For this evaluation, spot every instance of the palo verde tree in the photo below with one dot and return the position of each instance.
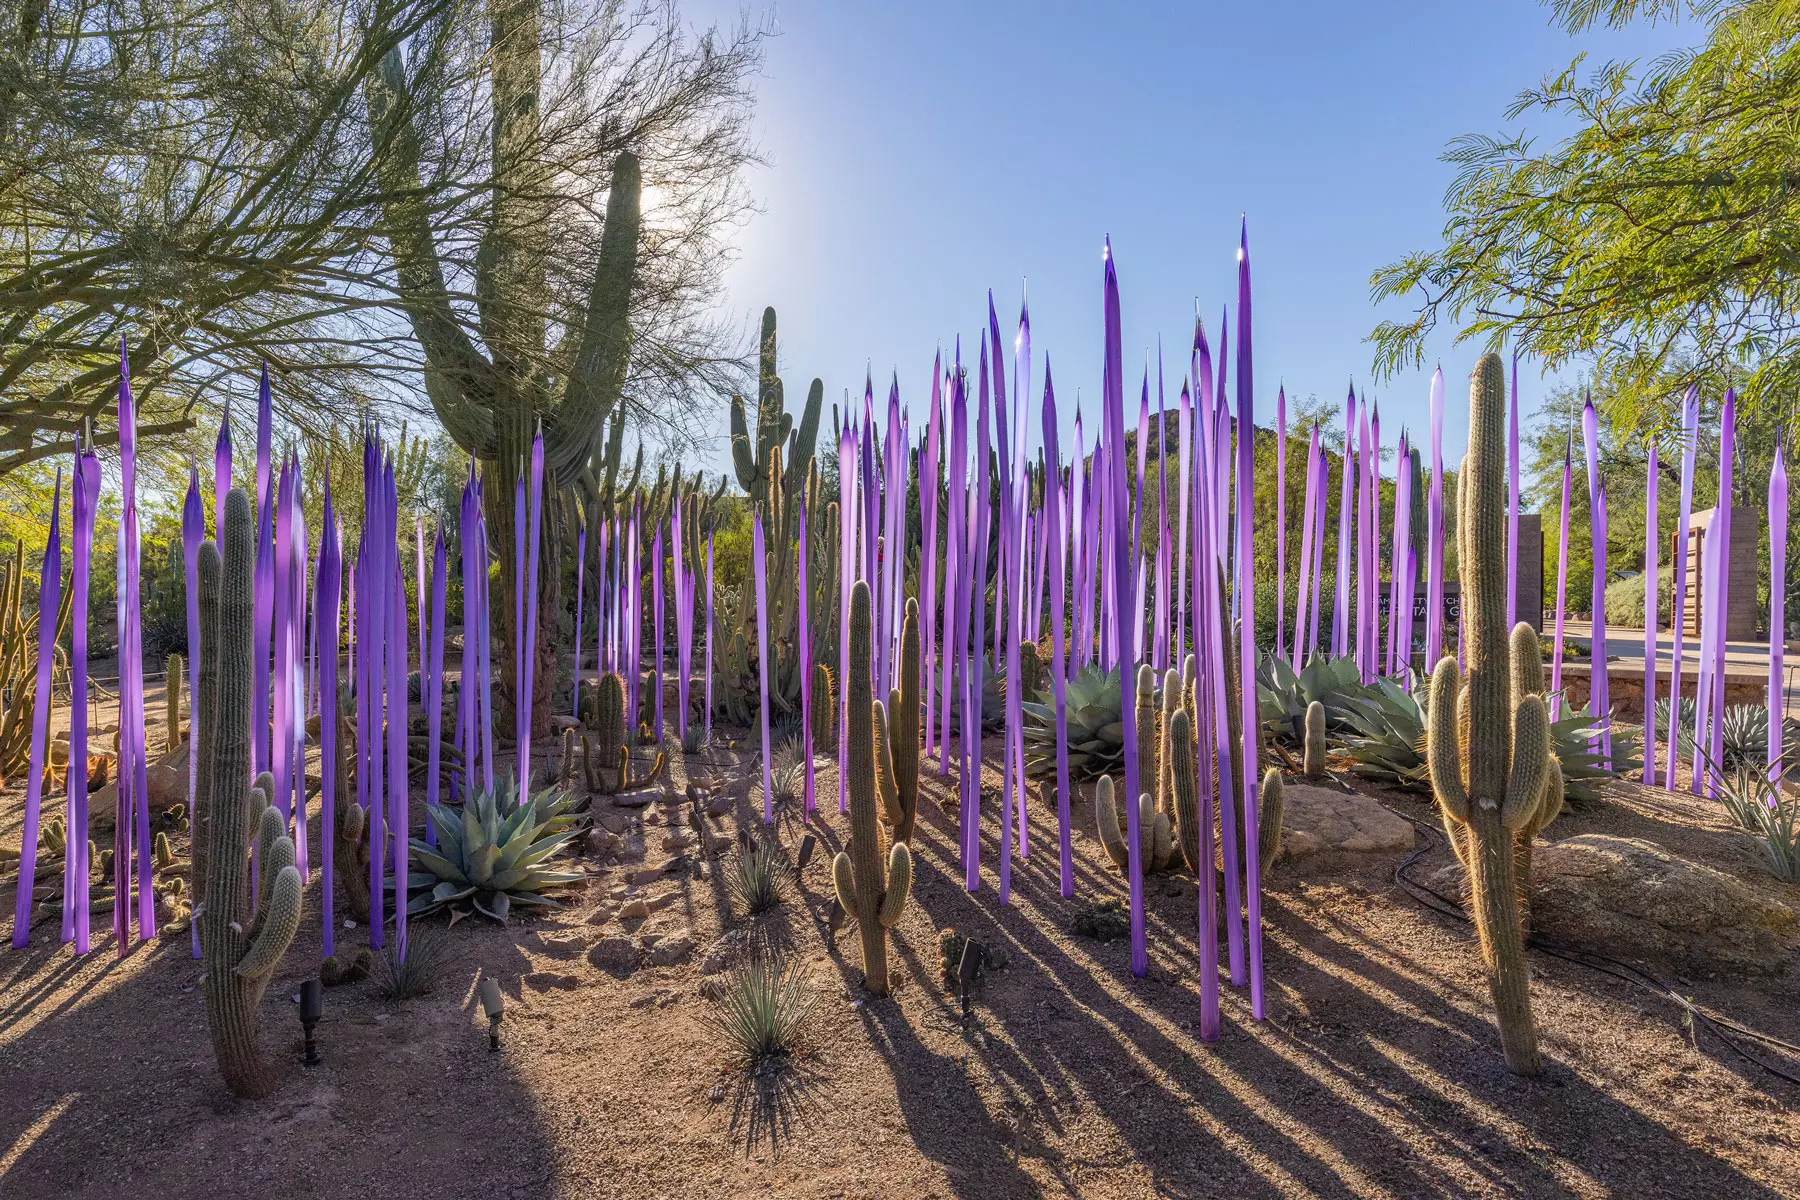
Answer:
(1664, 233)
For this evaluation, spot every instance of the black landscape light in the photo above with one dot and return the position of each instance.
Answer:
(966, 971)
(312, 1006)
(807, 844)
(494, 1005)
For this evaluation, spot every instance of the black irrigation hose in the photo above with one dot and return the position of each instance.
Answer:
(1638, 976)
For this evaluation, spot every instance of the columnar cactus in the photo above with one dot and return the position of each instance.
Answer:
(1313, 754)
(352, 833)
(1183, 763)
(903, 725)
(1171, 701)
(609, 711)
(242, 937)
(1148, 742)
(1031, 671)
(174, 670)
(871, 889)
(824, 707)
(1488, 739)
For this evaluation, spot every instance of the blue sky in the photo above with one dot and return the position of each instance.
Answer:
(921, 153)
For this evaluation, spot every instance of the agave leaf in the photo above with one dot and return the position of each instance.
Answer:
(494, 904)
(422, 904)
(445, 892)
(482, 862)
(438, 865)
(448, 823)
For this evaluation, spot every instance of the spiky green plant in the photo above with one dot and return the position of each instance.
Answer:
(758, 876)
(871, 886)
(404, 971)
(759, 1012)
(694, 740)
(1744, 732)
(1284, 697)
(1488, 741)
(787, 770)
(1094, 704)
(1386, 744)
(1758, 806)
(491, 854)
(242, 936)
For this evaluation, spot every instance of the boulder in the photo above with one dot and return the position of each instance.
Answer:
(616, 955)
(1318, 820)
(166, 782)
(1634, 899)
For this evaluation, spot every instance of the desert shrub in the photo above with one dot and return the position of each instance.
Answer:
(758, 877)
(1625, 599)
(1105, 921)
(402, 973)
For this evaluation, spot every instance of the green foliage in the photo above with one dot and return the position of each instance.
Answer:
(760, 1011)
(401, 974)
(1772, 817)
(758, 876)
(1660, 223)
(1743, 734)
(1093, 703)
(1625, 598)
(1284, 696)
(490, 854)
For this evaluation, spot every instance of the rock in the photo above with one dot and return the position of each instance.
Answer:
(724, 952)
(676, 841)
(598, 841)
(1634, 899)
(616, 822)
(658, 903)
(562, 721)
(637, 799)
(568, 946)
(672, 949)
(618, 955)
(601, 915)
(648, 875)
(544, 981)
(721, 806)
(1318, 820)
(634, 910)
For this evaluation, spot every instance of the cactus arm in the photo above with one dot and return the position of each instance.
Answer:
(843, 881)
(905, 725)
(280, 922)
(869, 874)
(597, 375)
(455, 369)
(1530, 761)
(1106, 821)
(1526, 659)
(1162, 841)
(1181, 753)
(800, 455)
(899, 885)
(1442, 753)
(886, 786)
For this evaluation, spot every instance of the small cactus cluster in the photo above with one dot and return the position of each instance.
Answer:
(1488, 741)
(1170, 816)
(242, 936)
(871, 886)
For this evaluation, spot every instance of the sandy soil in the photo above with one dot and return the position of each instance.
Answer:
(1376, 1072)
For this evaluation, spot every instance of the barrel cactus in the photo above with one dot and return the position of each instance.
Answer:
(1488, 737)
(871, 886)
(242, 936)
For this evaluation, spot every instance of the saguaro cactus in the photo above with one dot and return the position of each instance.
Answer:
(872, 890)
(1488, 739)
(242, 937)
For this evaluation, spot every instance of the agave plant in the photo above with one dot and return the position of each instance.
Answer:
(490, 854)
(1282, 695)
(1096, 731)
(1758, 806)
(1386, 743)
(993, 698)
(787, 769)
(1744, 733)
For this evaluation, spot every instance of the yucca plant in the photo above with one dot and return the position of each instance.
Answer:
(490, 854)
(1758, 806)
(1744, 732)
(759, 1012)
(758, 877)
(405, 971)
(694, 740)
(787, 770)
(1096, 731)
